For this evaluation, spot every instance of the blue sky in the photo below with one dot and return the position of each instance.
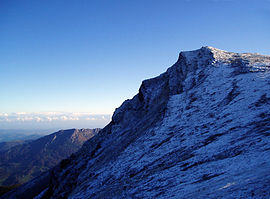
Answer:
(89, 56)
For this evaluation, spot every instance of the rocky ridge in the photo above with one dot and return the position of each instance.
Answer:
(199, 130)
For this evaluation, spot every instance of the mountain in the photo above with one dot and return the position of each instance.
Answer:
(23, 162)
(8, 135)
(7, 145)
(199, 130)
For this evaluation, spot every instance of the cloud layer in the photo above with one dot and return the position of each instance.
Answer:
(53, 120)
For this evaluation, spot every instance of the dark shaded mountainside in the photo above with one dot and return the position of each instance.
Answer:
(199, 130)
(10, 135)
(23, 162)
(7, 145)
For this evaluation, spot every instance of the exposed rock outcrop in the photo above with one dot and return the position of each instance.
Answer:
(199, 130)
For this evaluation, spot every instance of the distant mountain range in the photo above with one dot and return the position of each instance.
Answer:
(7, 145)
(7, 135)
(28, 159)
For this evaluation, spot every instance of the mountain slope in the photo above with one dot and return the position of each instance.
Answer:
(199, 130)
(23, 162)
(7, 145)
(10, 135)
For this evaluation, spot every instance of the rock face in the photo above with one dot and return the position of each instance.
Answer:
(23, 162)
(199, 130)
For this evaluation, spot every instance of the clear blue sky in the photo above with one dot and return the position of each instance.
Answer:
(89, 56)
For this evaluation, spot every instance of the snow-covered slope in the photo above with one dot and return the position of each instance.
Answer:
(199, 130)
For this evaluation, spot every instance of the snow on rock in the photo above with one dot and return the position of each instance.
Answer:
(199, 130)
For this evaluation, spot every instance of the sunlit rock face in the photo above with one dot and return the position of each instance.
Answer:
(199, 130)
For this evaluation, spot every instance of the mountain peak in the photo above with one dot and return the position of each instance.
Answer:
(212, 49)
(199, 130)
(189, 71)
(208, 55)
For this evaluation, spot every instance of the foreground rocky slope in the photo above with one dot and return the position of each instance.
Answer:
(25, 161)
(199, 130)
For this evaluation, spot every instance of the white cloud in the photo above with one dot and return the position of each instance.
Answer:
(78, 119)
(38, 119)
(21, 113)
(91, 118)
(64, 117)
(75, 118)
(3, 114)
(49, 119)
